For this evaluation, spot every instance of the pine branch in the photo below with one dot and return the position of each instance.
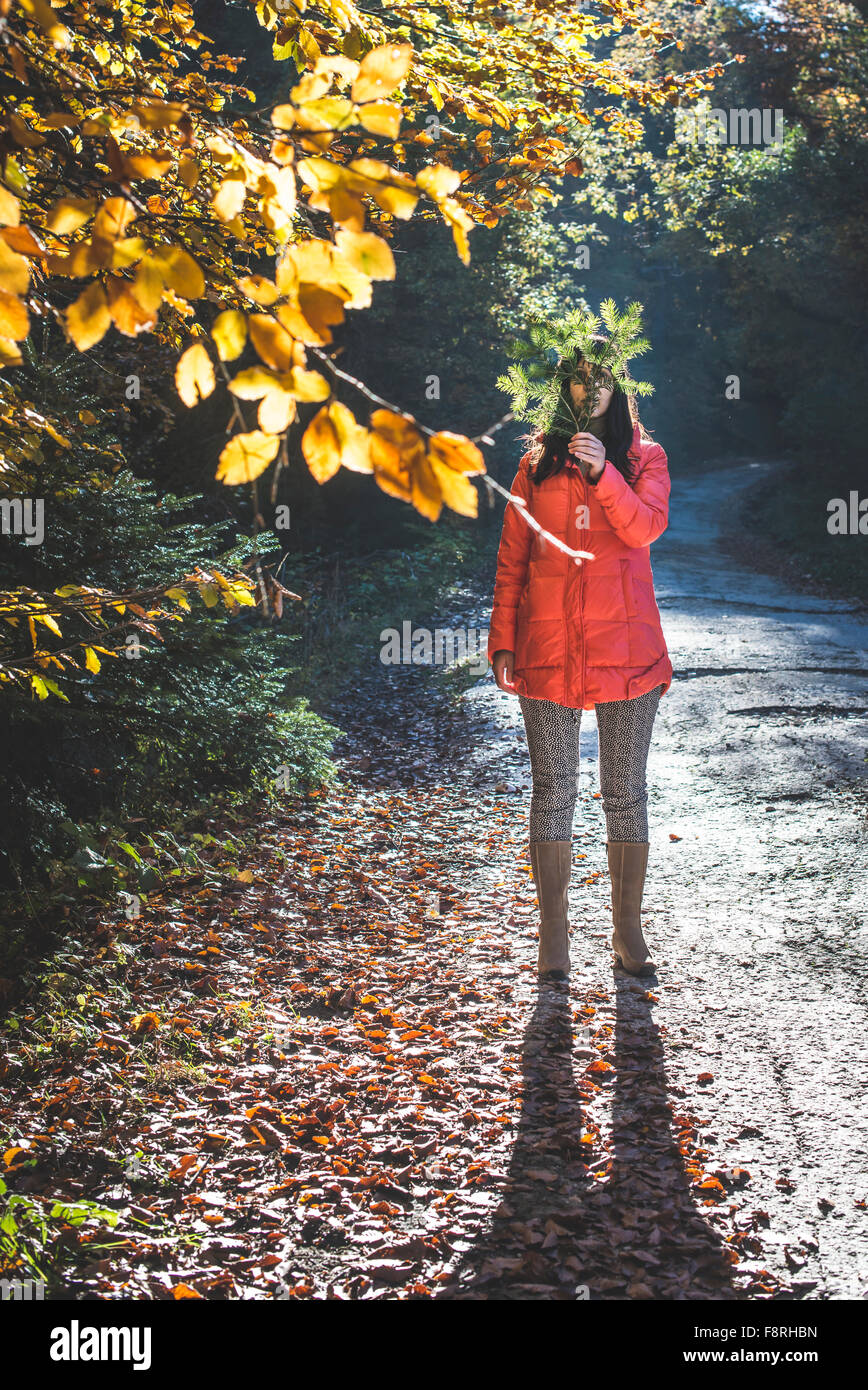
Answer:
(550, 354)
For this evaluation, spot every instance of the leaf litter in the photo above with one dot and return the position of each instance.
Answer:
(339, 1078)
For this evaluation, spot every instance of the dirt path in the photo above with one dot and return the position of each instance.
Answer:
(757, 910)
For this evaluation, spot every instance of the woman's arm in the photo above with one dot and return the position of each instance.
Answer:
(639, 512)
(512, 558)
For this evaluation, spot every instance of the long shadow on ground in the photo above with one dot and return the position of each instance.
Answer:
(632, 1232)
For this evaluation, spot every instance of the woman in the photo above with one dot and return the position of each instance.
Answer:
(566, 637)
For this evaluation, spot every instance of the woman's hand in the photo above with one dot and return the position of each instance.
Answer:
(502, 664)
(591, 453)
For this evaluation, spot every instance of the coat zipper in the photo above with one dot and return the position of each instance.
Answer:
(582, 600)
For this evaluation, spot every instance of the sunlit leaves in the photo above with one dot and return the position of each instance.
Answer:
(439, 182)
(381, 70)
(180, 271)
(392, 190)
(394, 449)
(274, 344)
(453, 457)
(34, 615)
(222, 198)
(157, 115)
(334, 439)
(367, 252)
(381, 118)
(14, 269)
(229, 332)
(246, 456)
(14, 318)
(429, 480)
(194, 375)
(278, 393)
(88, 319)
(48, 20)
(128, 314)
(229, 198)
(69, 213)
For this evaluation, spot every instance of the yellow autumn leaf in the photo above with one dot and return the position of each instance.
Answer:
(457, 491)
(461, 223)
(381, 118)
(254, 383)
(14, 270)
(272, 342)
(321, 174)
(367, 252)
(87, 318)
(456, 451)
(283, 117)
(147, 166)
(242, 594)
(353, 439)
(438, 180)
(335, 439)
(112, 219)
(397, 450)
(148, 285)
(179, 271)
(300, 329)
(381, 70)
(130, 316)
(326, 113)
(45, 17)
(277, 410)
(321, 446)
(390, 189)
(10, 209)
(426, 494)
(157, 115)
(10, 353)
(229, 332)
(126, 251)
(320, 264)
(91, 660)
(188, 171)
(194, 375)
(229, 198)
(320, 308)
(307, 386)
(246, 456)
(259, 288)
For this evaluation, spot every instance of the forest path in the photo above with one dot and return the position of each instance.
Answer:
(758, 910)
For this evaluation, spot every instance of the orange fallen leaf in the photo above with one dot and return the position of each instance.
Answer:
(144, 1023)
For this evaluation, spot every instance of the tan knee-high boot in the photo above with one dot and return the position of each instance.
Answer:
(627, 865)
(551, 862)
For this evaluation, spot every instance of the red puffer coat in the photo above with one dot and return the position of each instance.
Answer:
(588, 632)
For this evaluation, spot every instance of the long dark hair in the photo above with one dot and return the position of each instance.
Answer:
(549, 451)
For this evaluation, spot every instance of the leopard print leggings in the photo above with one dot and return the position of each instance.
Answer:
(553, 742)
